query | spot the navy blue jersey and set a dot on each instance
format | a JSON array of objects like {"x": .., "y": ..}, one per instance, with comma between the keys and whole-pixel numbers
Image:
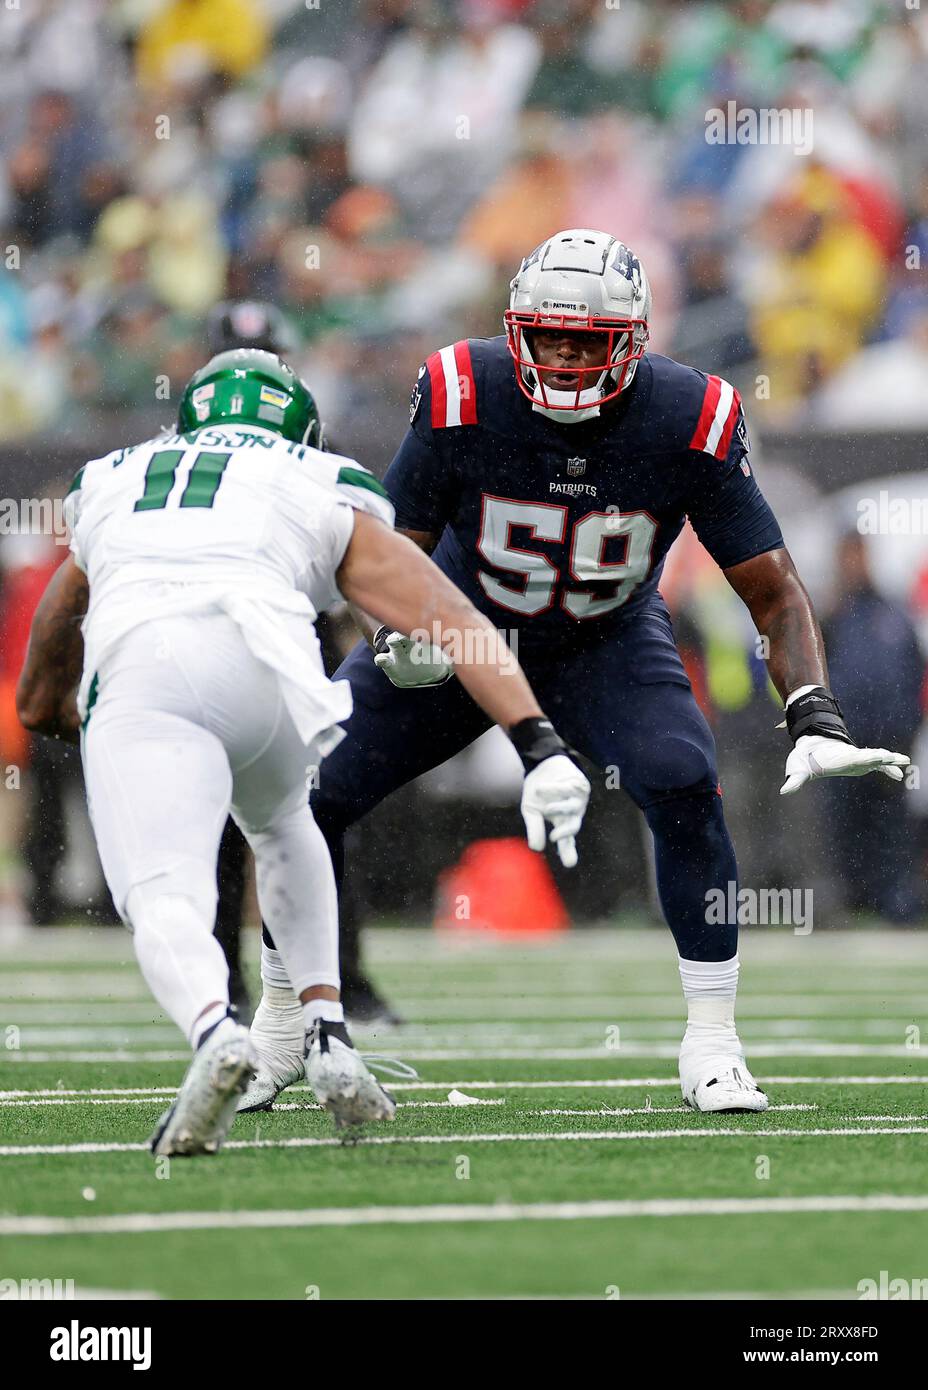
[{"x": 561, "y": 530}]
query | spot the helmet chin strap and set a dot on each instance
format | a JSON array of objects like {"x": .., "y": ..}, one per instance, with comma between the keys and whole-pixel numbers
[
  {"x": 567, "y": 407},
  {"x": 587, "y": 405}
]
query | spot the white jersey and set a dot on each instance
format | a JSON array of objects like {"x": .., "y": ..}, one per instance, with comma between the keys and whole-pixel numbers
[{"x": 228, "y": 518}]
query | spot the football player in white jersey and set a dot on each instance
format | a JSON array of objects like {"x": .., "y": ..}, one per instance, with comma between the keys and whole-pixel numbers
[{"x": 200, "y": 561}]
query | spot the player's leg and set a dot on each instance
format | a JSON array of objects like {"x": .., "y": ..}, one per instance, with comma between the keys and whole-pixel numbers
[
  {"x": 298, "y": 901},
  {"x": 392, "y": 737},
  {"x": 158, "y": 852},
  {"x": 233, "y": 852},
  {"x": 637, "y": 717}
]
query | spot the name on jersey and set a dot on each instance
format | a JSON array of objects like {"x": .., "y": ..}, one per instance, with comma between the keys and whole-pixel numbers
[{"x": 574, "y": 489}]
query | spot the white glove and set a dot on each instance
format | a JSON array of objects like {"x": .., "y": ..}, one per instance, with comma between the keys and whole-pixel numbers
[
  {"x": 411, "y": 663},
  {"x": 816, "y": 756},
  {"x": 557, "y": 791}
]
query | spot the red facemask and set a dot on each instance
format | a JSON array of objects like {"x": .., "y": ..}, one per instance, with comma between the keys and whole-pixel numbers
[{"x": 625, "y": 343}]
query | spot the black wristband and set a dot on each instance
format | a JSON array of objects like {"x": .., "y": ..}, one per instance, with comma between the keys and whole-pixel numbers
[
  {"x": 534, "y": 740},
  {"x": 379, "y": 639},
  {"x": 816, "y": 712}
]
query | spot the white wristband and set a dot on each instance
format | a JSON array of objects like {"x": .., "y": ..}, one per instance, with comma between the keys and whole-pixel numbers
[{"x": 803, "y": 690}]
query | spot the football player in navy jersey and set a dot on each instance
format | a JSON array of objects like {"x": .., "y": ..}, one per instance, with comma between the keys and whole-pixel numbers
[{"x": 548, "y": 472}]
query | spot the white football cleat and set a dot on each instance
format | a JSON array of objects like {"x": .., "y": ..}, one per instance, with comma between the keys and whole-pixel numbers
[
  {"x": 714, "y": 1076},
  {"x": 204, "y": 1110},
  {"x": 279, "y": 1037},
  {"x": 342, "y": 1083}
]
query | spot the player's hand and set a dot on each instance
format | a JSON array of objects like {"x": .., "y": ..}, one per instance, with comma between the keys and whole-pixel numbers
[
  {"x": 555, "y": 791},
  {"x": 408, "y": 663},
  {"x": 816, "y": 756}
]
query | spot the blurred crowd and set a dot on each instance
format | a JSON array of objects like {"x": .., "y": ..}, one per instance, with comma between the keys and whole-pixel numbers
[{"x": 378, "y": 168}]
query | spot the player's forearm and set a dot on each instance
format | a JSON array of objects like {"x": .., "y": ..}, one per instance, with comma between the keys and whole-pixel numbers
[
  {"x": 485, "y": 665},
  {"x": 437, "y": 612},
  {"x": 796, "y": 654},
  {"x": 46, "y": 692},
  {"x": 785, "y": 620},
  {"x": 368, "y": 626},
  {"x": 393, "y": 581}
]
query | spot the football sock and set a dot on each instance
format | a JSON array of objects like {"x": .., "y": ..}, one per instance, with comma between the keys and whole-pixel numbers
[
  {"x": 328, "y": 1009},
  {"x": 274, "y": 975},
  {"x": 694, "y": 855},
  {"x": 214, "y": 1020},
  {"x": 709, "y": 988}
]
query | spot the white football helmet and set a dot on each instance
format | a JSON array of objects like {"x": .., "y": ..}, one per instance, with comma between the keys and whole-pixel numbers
[{"x": 589, "y": 282}]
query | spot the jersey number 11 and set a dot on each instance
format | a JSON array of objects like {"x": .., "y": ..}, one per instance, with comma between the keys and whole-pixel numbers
[{"x": 202, "y": 484}]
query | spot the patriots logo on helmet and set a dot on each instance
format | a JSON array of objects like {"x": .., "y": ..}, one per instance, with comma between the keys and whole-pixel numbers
[{"x": 628, "y": 264}]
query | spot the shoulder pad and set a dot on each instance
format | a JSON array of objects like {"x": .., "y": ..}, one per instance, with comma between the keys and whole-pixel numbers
[
  {"x": 453, "y": 387},
  {"x": 718, "y": 416}
]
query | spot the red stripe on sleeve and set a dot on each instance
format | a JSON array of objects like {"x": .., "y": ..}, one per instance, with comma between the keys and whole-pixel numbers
[
  {"x": 709, "y": 406},
  {"x": 721, "y": 451},
  {"x": 439, "y": 393},
  {"x": 467, "y": 384}
]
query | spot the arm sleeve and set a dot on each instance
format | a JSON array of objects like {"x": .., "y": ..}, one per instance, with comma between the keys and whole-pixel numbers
[
  {"x": 420, "y": 481},
  {"x": 728, "y": 511}
]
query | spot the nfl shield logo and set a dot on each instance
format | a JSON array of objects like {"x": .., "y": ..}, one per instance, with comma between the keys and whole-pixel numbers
[{"x": 575, "y": 467}]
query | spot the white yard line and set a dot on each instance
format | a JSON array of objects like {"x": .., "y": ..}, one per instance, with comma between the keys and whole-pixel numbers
[
  {"x": 897, "y": 1119},
  {"x": 441, "y": 1031},
  {"x": 118, "y": 1054},
  {"x": 143, "y": 1223},
  {"x": 600, "y": 1083},
  {"x": 121, "y": 1037},
  {"x": 462, "y": 1140},
  {"x": 660, "y": 1051},
  {"x": 415, "y": 1105},
  {"x": 412, "y": 947},
  {"x": 56, "y": 1092},
  {"x": 675, "y": 1110},
  {"x": 296, "y": 1105}
]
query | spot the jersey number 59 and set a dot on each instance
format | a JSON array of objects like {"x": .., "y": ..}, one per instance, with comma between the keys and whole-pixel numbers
[{"x": 540, "y": 577}]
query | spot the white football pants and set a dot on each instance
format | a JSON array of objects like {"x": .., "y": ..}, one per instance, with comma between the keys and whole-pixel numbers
[{"x": 187, "y": 724}]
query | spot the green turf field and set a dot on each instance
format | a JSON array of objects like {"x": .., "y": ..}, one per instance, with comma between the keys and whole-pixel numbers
[{"x": 577, "y": 1174}]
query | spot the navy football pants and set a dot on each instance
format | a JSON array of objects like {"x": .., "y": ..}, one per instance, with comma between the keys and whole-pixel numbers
[{"x": 624, "y": 702}]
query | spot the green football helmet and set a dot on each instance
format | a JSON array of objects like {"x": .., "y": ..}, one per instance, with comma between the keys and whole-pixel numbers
[{"x": 247, "y": 386}]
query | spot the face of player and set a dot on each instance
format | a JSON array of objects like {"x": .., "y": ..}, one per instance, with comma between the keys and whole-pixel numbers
[{"x": 563, "y": 351}]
